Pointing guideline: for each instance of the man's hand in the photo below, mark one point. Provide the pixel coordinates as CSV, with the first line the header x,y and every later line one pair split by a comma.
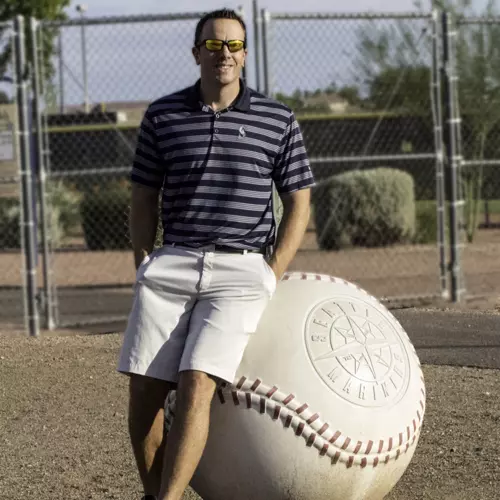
x,y
143,221
296,213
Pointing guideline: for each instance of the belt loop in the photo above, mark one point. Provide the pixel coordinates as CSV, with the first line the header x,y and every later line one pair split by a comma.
x,y
245,252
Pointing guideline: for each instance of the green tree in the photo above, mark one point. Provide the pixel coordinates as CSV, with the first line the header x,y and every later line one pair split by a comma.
x,y
46,10
351,94
395,63
478,60
4,98
404,89
295,102
394,66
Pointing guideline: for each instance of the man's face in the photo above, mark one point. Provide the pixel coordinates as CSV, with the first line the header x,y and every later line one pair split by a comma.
x,y
221,66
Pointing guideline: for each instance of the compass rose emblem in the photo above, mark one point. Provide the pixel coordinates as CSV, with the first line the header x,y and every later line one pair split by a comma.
x,y
357,351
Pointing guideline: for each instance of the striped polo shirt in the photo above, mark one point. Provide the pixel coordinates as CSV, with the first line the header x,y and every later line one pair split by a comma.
x,y
216,168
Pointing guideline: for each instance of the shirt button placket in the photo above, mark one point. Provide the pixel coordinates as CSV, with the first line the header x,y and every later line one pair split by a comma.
x,y
217,116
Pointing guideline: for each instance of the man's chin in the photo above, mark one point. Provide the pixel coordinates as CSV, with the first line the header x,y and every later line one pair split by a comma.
x,y
226,79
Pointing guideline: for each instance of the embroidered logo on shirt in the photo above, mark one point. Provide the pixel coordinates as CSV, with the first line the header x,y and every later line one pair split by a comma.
x,y
242,133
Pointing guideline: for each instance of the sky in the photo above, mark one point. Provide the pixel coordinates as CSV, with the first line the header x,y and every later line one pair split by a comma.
x,y
145,61
132,7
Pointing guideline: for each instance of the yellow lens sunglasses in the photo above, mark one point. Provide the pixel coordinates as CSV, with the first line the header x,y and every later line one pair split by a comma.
x,y
216,45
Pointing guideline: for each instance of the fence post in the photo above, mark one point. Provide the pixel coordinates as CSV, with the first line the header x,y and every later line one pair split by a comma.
x,y
27,226
436,99
257,23
452,121
41,175
241,12
265,20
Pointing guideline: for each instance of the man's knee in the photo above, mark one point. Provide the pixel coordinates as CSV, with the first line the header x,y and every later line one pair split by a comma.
x,y
195,388
148,393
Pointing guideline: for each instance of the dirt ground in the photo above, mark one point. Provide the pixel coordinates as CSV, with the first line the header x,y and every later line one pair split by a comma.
x,y
63,428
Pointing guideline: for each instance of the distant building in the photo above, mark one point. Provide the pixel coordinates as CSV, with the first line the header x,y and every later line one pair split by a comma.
x,y
127,112
9,170
325,100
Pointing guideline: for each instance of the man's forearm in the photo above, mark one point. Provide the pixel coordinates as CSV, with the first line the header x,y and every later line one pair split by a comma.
x,y
296,214
143,224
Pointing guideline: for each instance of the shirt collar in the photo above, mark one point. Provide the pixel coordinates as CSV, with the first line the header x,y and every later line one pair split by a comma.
x,y
241,103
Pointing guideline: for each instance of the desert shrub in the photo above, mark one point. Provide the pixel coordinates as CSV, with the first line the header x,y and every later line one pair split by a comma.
x,y
10,225
367,208
427,223
104,214
67,200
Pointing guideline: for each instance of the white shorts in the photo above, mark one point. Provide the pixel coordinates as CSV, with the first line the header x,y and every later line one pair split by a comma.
x,y
194,310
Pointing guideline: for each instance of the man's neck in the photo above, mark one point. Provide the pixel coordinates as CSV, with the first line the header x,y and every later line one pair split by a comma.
x,y
220,97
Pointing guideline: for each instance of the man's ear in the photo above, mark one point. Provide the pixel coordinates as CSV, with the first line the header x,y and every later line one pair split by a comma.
x,y
196,55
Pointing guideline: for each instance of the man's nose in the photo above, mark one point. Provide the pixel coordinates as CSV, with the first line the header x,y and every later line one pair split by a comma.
x,y
225,51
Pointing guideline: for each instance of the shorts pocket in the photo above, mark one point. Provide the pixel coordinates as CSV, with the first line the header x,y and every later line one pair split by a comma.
x,y
143,265
272,280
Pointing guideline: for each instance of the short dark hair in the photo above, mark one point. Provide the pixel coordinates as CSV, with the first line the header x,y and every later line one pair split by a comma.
x,y
218,14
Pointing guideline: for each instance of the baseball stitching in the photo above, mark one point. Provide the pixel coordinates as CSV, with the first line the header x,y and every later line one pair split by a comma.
x,y
295,415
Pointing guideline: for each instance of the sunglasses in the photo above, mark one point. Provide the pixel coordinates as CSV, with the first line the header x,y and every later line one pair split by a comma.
x,y
216,45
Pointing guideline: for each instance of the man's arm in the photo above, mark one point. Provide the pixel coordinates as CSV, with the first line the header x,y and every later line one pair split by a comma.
x,y
143,220
147,179
296,213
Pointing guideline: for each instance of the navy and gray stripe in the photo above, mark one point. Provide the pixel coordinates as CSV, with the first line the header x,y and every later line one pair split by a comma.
x,y
216,168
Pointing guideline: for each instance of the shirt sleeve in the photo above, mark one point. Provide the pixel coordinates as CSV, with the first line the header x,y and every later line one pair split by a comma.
x,y
147,167
292,169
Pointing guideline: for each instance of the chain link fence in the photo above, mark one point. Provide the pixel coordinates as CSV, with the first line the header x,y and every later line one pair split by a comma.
x,y
477,48
106,73
386,106
365,90
12,284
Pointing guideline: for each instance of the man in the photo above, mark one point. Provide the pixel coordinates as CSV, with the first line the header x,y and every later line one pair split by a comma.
x,y
215,149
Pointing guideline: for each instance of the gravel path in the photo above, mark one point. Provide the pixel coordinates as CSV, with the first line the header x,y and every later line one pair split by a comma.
x,y
63,432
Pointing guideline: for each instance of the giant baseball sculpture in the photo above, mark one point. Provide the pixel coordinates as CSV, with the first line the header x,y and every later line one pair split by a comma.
x,y
328,401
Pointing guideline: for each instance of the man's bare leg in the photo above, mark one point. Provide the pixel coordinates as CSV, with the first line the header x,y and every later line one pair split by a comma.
x,y
146,422
189,432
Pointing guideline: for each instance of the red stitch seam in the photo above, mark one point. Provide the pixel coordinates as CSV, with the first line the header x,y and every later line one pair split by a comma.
x,y
255,385
323,429
298,411
346,443
335,437
277,411
312,419
369,447
312,437
311,440
221,397
271,392
262,408
236,401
